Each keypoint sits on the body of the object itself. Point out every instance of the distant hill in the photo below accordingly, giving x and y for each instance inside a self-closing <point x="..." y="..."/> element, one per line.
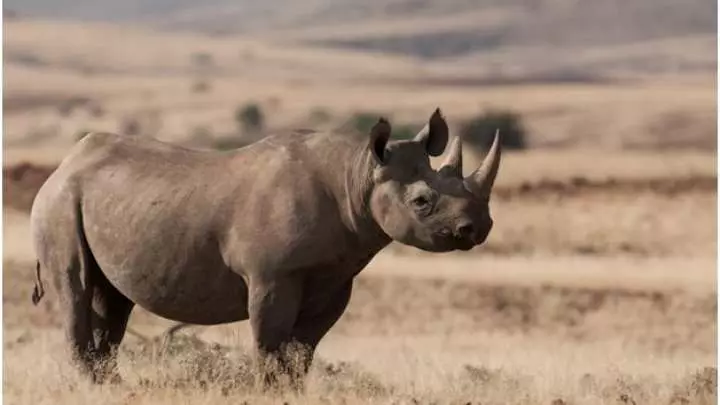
<point x="561" y="22"/>
<point x="518" y="38"/>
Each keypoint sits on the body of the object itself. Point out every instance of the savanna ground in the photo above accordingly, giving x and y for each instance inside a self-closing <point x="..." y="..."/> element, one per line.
<point x="597" y="284"/>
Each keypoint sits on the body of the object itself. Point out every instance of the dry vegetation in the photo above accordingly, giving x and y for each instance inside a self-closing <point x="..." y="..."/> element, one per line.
<point x="603" y="293"/>
<point x="597" y="285"/>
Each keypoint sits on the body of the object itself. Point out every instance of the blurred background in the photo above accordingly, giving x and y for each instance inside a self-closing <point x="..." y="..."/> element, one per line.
<point x="605" y="209"/>
<point x="615" y="74"/>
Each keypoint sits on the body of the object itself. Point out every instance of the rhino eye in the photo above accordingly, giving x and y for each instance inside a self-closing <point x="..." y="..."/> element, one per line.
<point x="421" y="203"/>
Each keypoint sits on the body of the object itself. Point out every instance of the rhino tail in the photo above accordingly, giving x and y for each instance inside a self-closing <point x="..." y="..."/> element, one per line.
<point x="38" y="290"/>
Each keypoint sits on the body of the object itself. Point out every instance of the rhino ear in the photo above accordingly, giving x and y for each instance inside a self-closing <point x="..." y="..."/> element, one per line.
<point x="435" y="134"/>
<point x="379" y="137"/>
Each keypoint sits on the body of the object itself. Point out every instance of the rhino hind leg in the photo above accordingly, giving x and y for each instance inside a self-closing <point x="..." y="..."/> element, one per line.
<point x="76" y="304"/>
<point x="75" y="283"/>
<point x="64" y="252"/>
<point x="110" y="314"/>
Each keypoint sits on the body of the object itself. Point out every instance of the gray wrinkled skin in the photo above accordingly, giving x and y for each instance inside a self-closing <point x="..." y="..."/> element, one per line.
<point x="273" y="232"/>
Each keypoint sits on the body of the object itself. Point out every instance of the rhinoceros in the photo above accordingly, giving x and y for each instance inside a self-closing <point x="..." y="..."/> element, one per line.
<point x="274" y="232"/>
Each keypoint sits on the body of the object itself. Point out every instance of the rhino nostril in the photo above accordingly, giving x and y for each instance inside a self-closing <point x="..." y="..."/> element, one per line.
<point x="465" y="230"/>
<point x="445" y="232"/>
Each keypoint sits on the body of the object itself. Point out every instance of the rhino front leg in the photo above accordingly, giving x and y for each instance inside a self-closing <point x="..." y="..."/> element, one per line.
<point x="311" y="326"/>
<point x="273" y="308"/>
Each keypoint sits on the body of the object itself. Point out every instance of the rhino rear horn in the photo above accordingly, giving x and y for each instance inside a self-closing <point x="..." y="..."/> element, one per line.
<point x="452" y="165"/>
<point x="481" y="181"/>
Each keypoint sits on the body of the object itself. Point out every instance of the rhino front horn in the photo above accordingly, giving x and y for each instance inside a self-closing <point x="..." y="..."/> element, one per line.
<point x="480" y="182"/>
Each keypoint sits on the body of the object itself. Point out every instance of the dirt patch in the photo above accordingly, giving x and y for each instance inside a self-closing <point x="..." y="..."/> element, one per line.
<point x="577" y="186"/>
<point x="666" y="321"/>
<point x="21" y="182"/>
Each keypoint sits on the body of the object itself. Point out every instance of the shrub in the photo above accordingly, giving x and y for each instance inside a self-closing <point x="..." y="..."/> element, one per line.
<point x="200" y="86"/>
<point x="96" y="110"/>
<point x="130" y="126"/>
<point x="364" y="121"/>
<point x="250" y="118"/>
<point x="479" y="131"/>
<point x="202" y="59"/>
<point x="68" y="106"/>
<point x="405" y="131"/>
<point x="27" y="59"/>
<point x="319" y="116"/>
<point x="201" y="134"/>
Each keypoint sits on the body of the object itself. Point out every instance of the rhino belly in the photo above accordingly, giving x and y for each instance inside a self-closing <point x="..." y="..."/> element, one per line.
<point x="204" y="295"/>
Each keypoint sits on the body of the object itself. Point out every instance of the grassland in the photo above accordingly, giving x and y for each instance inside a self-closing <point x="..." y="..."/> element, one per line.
<point x="590" y="296"/>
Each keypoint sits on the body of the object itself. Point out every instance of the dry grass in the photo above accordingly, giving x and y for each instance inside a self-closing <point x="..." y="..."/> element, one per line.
<point x="590" y="297"/>
<point x="527" y="372"/>
<point x="411" y="340"/>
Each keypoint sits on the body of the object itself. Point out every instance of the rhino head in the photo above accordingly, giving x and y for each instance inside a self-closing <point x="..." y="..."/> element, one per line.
<point x="433" y="210"/>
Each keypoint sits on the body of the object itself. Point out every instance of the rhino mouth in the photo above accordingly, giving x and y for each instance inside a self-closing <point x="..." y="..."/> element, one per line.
<point x="448" y="244"/>
<point x="465" y="246"/>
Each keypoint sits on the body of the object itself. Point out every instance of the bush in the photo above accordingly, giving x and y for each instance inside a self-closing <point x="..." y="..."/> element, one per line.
<point x="202" y="59"/>
<point x="130" y="126"/>
<point x="201" y="134"/>
<point x="250" y="118"/>
<point x="406" y="131"/>
<point x="479" y="131"/>
<point x="96" y="110"/>
<point x="68" y="106"/>
<point x="364" y="121"/>
<point x="200" y="86"/>
<point x="319" y="116"/>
